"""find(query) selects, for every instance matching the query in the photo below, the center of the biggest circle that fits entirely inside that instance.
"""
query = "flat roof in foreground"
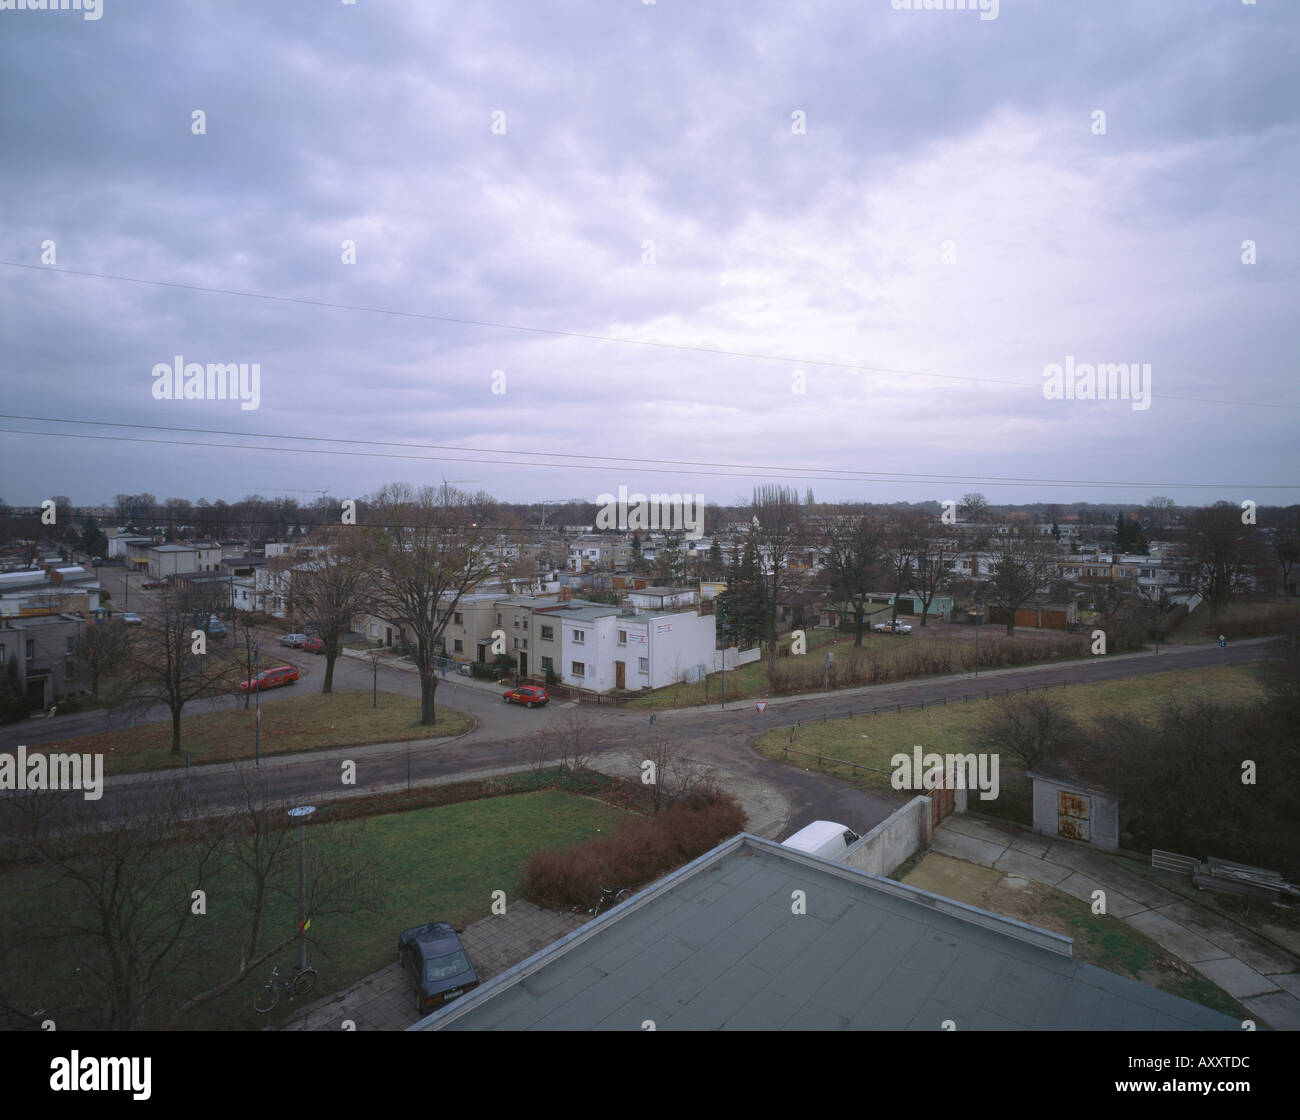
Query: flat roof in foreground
(717, 945)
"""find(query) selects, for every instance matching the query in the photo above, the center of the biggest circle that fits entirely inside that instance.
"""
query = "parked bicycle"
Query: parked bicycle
(300, 984)
(612, 895)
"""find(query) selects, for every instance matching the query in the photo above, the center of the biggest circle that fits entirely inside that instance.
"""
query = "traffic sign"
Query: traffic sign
(1222, 641)
(761, 705)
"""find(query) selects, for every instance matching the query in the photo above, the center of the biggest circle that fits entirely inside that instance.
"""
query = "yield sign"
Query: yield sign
(761, 705)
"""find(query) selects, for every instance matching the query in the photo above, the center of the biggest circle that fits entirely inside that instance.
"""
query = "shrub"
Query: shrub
(642, 850)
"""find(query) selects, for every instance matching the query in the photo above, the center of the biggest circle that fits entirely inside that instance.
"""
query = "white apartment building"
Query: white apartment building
(603, 647)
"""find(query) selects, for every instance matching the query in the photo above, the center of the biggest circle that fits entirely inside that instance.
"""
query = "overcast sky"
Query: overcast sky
(843, 183)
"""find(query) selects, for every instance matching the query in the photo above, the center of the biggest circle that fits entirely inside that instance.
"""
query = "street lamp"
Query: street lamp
(302, 812)
(256, 686)
(979, 610)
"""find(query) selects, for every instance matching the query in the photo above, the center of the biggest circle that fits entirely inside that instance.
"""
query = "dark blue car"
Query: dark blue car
(437, 965)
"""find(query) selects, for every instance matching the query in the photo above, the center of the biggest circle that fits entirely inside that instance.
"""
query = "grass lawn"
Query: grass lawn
(429, 864)
(301, 723)
(873, 740)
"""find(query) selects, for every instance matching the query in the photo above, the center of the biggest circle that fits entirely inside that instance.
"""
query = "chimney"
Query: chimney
(566, 594)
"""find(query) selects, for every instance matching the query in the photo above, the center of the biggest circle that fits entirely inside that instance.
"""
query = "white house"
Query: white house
(603, 647)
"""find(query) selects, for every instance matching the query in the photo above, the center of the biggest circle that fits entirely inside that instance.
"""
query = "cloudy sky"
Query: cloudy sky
(854, 237)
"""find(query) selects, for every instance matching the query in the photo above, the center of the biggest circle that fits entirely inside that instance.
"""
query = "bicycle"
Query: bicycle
(302, 982)
(616, 894)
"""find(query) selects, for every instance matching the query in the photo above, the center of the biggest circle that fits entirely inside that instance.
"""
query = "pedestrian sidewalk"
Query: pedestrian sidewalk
(385, 1000)
(1261, 975)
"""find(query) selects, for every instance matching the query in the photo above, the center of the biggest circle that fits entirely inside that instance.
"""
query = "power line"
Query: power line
(801, 474)
(682, 347)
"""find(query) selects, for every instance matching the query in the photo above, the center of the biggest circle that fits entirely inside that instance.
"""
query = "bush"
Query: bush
(641, 851)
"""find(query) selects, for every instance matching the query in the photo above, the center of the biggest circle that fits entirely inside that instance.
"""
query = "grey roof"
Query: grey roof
(716, 945)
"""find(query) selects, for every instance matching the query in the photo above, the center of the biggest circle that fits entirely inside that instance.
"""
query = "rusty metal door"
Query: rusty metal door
(1073, 816)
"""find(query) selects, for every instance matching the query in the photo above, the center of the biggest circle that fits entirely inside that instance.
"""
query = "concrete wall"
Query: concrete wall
(734, 658)
(893, 840)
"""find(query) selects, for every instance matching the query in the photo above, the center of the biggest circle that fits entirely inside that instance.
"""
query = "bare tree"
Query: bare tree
(665, 770)
(1032, 727)
(904, 538)
(855, 550)
(165, 666)
(424, 550)
(1021, 567)
(331, 589)
(932, 565)
(101, 650)
(1222, 550)
(569, 743)
(777, 520)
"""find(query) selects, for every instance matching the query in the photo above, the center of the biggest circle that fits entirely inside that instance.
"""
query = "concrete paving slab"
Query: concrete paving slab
(1018, 863)
(1080, 886)
(1031, 845)
(1177, 939)
(1279, 1010)
(980, 830)
(1287, 981)
(950, 842)
(1237, 979)
(1241, 943)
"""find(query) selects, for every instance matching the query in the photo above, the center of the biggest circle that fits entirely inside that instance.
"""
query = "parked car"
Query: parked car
(313, 645)
(132, 619)
(896, 627)
(433, 958)
(529, 695)
(150, 585)
(827, 839)
(294, 641)
(270, 678)
(211, 625)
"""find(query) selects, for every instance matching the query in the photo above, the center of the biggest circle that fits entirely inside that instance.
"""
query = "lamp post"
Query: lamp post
(302, 812)
(979, 610)
(256, 686)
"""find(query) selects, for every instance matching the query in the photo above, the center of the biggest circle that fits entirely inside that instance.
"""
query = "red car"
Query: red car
(271, 678)
(150, 585)
(313, 645)
(528, 695)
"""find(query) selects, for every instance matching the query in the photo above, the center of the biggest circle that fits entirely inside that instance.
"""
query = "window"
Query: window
(580, 636)
(548, 633)
(525, 624)
(516, 622)
(31, 650)
(516, 643)
(2, 657)
(70, 644)
(458, 646)
(498, 619)
(525, 643)
(548, 666)
(579, 669)
(643, 663)
(622, 637)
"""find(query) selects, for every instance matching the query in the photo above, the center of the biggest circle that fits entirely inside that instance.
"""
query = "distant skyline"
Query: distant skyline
(820, 242)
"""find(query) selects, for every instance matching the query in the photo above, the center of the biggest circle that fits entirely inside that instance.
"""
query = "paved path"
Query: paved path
(1259, 974)
(385, 1000)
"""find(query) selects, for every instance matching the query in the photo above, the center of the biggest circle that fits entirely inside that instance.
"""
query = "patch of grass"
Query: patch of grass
(302, 723)
(429, 864)
(871, 741)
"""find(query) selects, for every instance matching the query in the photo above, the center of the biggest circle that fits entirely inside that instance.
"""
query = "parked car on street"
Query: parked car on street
(529, 695)
(897, 627)
(132, 619)
(270, 678)
(435, 961)
(313, 645)
(150, 585)
(294, 641)
(211, 625)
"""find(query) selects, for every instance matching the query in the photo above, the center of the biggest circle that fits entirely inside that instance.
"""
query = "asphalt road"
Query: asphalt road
(778, 797)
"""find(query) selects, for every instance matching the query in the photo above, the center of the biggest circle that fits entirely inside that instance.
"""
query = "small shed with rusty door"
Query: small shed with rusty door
(1066, 807)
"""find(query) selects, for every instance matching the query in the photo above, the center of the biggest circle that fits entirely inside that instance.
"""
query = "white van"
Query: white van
(822, 838)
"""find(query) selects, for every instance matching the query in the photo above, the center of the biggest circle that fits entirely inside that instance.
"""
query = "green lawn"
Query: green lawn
(430, 864)
(312, 721)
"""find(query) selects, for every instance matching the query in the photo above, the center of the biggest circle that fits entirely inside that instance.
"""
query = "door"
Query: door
(388, 635)
(523, 664)
(620, 674)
